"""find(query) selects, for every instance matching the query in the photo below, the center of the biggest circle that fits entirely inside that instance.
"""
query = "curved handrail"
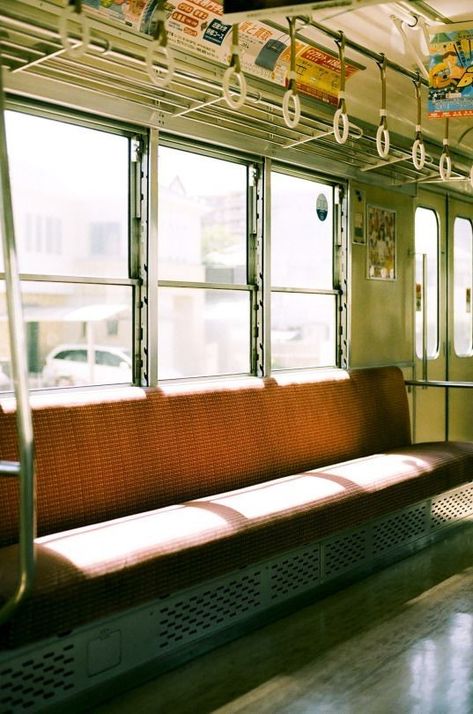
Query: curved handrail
(20, 381)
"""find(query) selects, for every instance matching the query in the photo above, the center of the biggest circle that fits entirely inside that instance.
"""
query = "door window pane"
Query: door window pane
(302, 330)
(67, 334)
(301, 232)
(70, 197)
(201, 218)
(462, 286)
(427, 244)
(203, 332)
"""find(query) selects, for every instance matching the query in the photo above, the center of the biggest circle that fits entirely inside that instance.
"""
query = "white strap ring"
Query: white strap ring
(234, 101)
(445, 167)
(418, 154)
(341, 137)
(73, 49)
(160, 77)
(291, 121)
(382, 136)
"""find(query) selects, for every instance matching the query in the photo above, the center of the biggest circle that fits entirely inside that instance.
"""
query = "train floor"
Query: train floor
(400, 642)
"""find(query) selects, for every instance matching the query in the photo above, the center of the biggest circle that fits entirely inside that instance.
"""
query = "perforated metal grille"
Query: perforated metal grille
(345, 552)
(295, 573)
(452, 507)
(208, 609)
(29, 685)
(398, 529)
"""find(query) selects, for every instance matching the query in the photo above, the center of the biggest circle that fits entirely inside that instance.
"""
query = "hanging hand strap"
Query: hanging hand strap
(382, 135)
(72, 13)
(159, 46)
(418, 147)
(341, 112)
(292, 116)
(445, 163)
(234, 100)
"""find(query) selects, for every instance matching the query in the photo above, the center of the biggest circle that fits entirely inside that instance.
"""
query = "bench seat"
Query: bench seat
(100, 569)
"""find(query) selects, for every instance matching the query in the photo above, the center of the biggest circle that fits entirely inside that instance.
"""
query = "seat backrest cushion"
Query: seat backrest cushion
(112, 457)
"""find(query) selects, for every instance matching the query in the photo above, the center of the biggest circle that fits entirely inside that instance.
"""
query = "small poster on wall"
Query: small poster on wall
(381, 230)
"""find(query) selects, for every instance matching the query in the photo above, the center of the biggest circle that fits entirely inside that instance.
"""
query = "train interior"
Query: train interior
(236, 356)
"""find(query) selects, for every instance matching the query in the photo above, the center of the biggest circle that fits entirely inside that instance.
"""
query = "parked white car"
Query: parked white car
(68, 365)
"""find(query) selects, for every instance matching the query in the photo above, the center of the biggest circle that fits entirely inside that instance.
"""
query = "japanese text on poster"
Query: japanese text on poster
(197, 26)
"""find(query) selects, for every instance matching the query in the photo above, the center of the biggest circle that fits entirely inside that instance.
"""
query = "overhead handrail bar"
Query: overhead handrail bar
(26, 466)
(73, 12)
(341, 112)
(291, 94)
(159, 45)
(234, 71)
(418, 147)
(361, 49)
(382, 133)
(445, 163)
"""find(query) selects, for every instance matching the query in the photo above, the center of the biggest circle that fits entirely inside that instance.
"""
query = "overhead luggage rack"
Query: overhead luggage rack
(112, 79)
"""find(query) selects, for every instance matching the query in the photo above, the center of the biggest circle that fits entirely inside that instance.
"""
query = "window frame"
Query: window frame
(339, 263)
(253, 285)
(468, 354)
(135, 135)
(436, 352)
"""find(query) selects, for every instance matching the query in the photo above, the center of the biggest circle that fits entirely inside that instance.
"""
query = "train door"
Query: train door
(430, 315)
(443, 319)
(460, 318)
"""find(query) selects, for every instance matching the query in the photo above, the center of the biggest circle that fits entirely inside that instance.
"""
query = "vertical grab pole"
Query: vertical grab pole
(424, 317)
(20, 379)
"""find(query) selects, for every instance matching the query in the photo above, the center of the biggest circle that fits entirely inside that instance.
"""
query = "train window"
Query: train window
(70, 197)
(427, 281)
(70, 191)
(204, 292)
(463, 282)
(303, 303)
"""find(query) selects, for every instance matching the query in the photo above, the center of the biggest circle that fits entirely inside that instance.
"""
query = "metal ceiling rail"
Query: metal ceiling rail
(361, 49)
(114, 66)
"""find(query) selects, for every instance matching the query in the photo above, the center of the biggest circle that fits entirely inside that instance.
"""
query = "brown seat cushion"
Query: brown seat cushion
(133, 450)
(94, 571)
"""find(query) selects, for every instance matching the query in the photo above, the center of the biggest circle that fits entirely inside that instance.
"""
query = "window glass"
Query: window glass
(462, 286)
(201, 218)
(302, 330)
(301, 232)
(203, 332)
(427, 244)
(67, 338)
(70, 197)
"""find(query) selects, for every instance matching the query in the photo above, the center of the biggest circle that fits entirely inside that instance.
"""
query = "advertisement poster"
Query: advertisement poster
(451, 72)
(381, 230)
(197, 26)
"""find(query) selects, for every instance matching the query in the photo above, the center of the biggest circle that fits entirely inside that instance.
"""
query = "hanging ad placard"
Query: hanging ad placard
(451, 72)
(197, 26)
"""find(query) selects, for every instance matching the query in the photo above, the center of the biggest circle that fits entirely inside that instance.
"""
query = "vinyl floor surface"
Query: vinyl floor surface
(398, 642)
